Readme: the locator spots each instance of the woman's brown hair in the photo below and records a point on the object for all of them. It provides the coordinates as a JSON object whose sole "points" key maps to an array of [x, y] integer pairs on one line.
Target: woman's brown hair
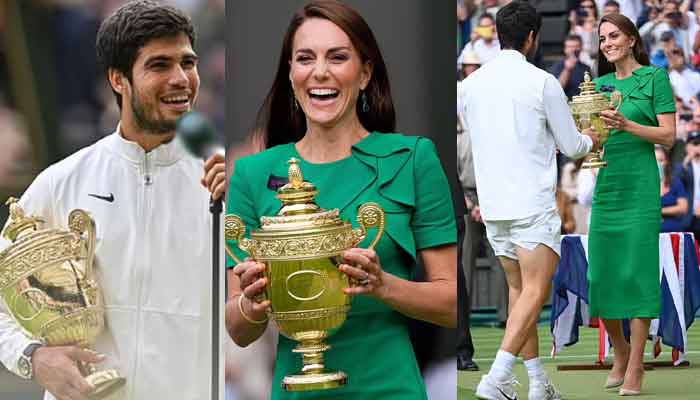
{"points": [[628, 28], [279, 122]]}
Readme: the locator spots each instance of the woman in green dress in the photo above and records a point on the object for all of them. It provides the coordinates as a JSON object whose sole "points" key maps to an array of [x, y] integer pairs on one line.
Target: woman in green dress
{"points": [[330, 107], [623, 243]]}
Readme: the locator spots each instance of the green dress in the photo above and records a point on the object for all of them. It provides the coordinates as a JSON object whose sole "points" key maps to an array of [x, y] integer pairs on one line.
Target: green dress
{"points": [[623, 242], [401, 173]]}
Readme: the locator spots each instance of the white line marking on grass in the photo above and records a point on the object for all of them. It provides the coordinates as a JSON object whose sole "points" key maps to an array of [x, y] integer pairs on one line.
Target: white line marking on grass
{"points": [[593, 357]]}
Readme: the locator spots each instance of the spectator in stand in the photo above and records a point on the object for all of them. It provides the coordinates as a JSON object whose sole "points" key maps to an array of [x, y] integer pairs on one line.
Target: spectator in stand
{"points": [[660, 57], [689, 173], [566, 213], [468, 63], [629, 8], [669, 19], [674, 198], [487, 6], [585, 186], [611, 7], [584, 23], [570, 70], [484, 41], [684, 81]]}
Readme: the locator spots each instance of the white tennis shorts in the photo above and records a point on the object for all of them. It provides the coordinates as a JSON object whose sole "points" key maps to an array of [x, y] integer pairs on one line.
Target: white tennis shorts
{"points": [[506, 235]]}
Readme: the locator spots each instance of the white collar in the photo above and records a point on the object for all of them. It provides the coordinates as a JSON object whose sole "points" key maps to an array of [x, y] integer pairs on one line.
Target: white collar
{"points": [[510, 53], [164, 154]]}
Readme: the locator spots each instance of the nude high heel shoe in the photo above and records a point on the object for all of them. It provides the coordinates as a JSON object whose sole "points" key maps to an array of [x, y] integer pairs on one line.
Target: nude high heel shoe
{"points": [[614, 383]]}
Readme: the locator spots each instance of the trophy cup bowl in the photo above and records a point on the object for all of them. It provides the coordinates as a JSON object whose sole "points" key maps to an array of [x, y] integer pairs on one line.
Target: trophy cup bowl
{"points": [[301, 247], [586, 108], [47, 283]]}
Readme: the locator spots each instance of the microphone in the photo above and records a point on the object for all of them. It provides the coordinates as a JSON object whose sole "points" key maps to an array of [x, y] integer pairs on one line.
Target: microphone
{"points": [[197, 135]]}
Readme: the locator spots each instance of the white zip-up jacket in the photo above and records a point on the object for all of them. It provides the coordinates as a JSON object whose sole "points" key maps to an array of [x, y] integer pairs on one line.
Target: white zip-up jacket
{"points": [[517, 116], [153, 257]]}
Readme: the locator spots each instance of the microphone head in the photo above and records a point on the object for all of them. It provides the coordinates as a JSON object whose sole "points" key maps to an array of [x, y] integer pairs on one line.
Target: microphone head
{"points": [[196, 133]]}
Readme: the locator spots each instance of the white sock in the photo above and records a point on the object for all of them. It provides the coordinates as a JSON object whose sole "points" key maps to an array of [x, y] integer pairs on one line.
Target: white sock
{"points": [[502, 367], [535, 371]]}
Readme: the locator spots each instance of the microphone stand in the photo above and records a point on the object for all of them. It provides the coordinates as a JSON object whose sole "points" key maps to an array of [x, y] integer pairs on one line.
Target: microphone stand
{"points": [[215, 208]]}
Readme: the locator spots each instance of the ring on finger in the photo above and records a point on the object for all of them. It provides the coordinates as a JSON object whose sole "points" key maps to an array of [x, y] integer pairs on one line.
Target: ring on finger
{"points": [[365, 281]]}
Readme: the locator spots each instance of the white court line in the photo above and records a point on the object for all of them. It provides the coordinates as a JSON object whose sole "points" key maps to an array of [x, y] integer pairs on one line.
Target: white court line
{"points": [[592, 356]]}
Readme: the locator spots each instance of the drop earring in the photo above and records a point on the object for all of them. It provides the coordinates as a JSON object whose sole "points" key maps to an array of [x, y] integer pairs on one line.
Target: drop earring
{"points": [[365, 106], [293, 99]]}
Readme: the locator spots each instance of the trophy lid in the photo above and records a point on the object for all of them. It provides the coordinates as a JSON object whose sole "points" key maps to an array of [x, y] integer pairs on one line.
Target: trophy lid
{"points": [[587, 92], [299, 210], [19, 224]]}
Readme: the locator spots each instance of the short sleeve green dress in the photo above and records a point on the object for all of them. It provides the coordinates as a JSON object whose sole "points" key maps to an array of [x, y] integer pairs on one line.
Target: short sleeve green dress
{"points": [[401, 173], [623, 241]]}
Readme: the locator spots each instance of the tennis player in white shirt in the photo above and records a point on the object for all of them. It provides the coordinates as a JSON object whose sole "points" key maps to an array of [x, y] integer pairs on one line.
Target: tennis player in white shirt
{"points": [[517, 116]]}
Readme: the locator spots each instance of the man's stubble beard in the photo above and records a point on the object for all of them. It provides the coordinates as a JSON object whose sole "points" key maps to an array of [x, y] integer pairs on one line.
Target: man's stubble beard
{"points": [[148, 125]]}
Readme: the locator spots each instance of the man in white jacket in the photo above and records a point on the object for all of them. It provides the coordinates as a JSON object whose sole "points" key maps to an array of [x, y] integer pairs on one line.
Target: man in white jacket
{"points": [[149, 199], [517, 116]]}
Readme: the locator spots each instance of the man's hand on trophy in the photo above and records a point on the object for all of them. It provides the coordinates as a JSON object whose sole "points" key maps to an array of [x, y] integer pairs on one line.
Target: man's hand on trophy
{"points": [[363, 266], [614, 119], [253, 283], [56, 370], [214, 178], [595, 137]]}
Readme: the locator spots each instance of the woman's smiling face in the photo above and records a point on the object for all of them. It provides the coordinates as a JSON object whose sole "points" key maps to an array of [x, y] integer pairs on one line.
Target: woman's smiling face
{"points": [[327, 72], [614, 44]]}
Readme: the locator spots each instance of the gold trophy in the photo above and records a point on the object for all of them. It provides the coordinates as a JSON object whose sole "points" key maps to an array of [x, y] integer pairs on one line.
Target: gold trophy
{"points": [[301, 246], [48, 284], [586, 108]]}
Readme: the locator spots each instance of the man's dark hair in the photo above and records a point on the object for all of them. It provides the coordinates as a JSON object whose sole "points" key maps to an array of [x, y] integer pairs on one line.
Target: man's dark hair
{"points": [[130, 27], [574, 37], [514, 22], [612, 3], [487, 16]]}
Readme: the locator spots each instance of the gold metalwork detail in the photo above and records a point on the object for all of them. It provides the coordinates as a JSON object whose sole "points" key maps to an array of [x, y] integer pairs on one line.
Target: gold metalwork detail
{"points": [[586, 109], [310, 314], [310, 246], [370, 215], [48, 285], [321, 218], [300, 246], [291, 278], [296, 178]]}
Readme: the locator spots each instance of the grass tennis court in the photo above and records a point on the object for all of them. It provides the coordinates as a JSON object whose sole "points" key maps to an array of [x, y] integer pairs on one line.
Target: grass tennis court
{"points": [[659, 384]]}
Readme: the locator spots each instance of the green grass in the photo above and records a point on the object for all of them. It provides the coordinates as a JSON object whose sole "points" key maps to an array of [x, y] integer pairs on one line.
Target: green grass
{"points": [[659, 384]]}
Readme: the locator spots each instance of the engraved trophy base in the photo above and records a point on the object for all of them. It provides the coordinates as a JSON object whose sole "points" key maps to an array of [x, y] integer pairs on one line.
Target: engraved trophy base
{"points": [[313, 374], [105, 383], [314, 381], [596, 161]]}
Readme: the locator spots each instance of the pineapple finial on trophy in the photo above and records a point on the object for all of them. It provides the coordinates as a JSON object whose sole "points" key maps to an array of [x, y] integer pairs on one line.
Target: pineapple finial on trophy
{"points": [[19, 224], [297, 196], [587, 87], [296, 178]]}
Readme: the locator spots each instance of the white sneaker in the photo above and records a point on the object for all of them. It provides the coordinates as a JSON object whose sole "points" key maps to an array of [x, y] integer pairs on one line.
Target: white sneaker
{"points": [[542, 390], [489, 389]]}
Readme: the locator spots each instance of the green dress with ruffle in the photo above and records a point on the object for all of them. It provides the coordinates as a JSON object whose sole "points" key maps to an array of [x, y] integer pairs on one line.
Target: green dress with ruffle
{"points": [[401, 173], [623, 241]]}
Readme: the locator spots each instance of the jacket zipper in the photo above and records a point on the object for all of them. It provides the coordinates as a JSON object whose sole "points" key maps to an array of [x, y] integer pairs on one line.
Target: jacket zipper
{"points": [[141, 273], [147, 178]]}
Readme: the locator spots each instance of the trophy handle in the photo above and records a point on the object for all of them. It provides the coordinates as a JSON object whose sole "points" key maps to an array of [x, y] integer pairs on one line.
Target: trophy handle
{"points": [[370, 215], [79, 221], [234, 229], [615, 100]]}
